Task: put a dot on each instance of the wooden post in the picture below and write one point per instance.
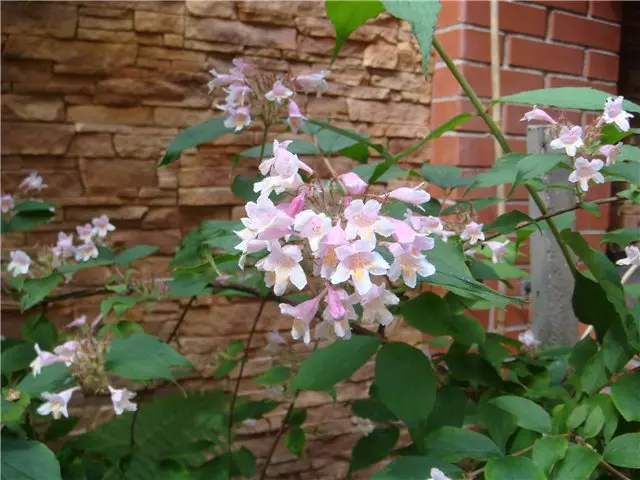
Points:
(552, 283)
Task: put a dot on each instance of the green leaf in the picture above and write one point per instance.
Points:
(504, 171)
(512, 468)
(626, 396)
(625, 172)
(380, 171)
(242, 186)
(454, 444)
(548, 450)
(445, 176)
(624, 451)
(143, 357)
(61, 427)
(331, 141)
(616, 354)
(299, 147)
(534, 166)
(594, 423)
(17, 357)
(245, 462)
(594, 375)
(193, 136)
(415, 468)
(35, 289)
(583, 98)
(94, 262)
(372, 409)
(528, 414)
(253, 409)
(329, 365)
(28, 460)
(622, 237)
(628, 152)
(295, 441)
(297, 417)
(578, 463)
(422, 17)
(577, 416)
(429, 313)
(506, 222)
(406, 383)
(38, 329)
(274, 376)
(609, 134)
(347, 16)
(224, 367)
(373, 447)
(51, 379)
(448, 409)
(118, 303)
(139, 251)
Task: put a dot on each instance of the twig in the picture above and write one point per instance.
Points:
(603, 463)
(278, 436)
(180, 320)
(132, 442)
(475, 473)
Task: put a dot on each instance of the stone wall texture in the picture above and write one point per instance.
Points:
(94, 91)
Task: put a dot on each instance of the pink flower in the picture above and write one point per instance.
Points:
(7, 203)
(313, 81)
(334, 303)
(585, 171)
(425, 224)
(86, 251)
(101, 226)
(296, 119)
(472, 232)
(85, 232)
(408, 264)
(326, 254)
(610, 152)
(78, 322)
(498, 250)
(56, 403)
(284, 264)
(121, 400)
(632, 258)
(570, 140)
(278, 93)
(274, 338)
(241, 68)
(237, 94)
(221, 79)
(43, 359)
(312, 226)
(32, 182)
(296, 205)
(266, 220)
(614, 113)
(238, 118)
(415, 196)
(358, 261)
(19, 264)
(402, 232)
(353, 183)
(67, 352)
(364, 220)
(537, 114)
(337, 314)
(303, 314)
(283, 163)
(374, 305)
(64, 247)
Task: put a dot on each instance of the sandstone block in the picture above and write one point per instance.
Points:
(110, 115)
(158, 22)
(173, 40)
(180, 117)
(167, 179)
(106, 23)
(101, 11)
(212, 46)
(67, 84)
(201, 196)
(60, 183)
(172, 54)
(141, 146)
(35, 138)
(166, 239)
(91, 145)
(170, 8)
(81, 214)
(193, 216)
(55, 19)
(17, 70)
(135, 87)
(106, 36)
(366, 111)
(211, 8)
(274, 12)
(225, 31)
(27, 107)
(315, 27)
(403, 81)
(327, 107)
(380, 55)
(102, 175)
(161, 218)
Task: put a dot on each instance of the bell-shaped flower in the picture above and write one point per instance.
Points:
(408, 264)
(284, 264)
(101, 226)
(283, 163)
(67, 352)
(273, 337)
(586, 171)
(43, 359)
(312, 226)
(364, 220)
(302, 314)
(241, 68)
(32, 182)
(238, 119)
(570, 140)
(353, 183)
(537, 114)
(528, 339)
(614, 113)
(437, 474)
(339, 312)
(6, 203)
(277, 184)
(415, 195)
(85, 232)
(237, 94)
(632, 258)
(402, 232)
(498, 250)
(266, 220)
(19, 264)
(81, 321)
(358, 261)
(278, 93)
(312, 81)
(610, 152)
(296, 118)
(296, 205)
(374, 305)
(85, 252)
(249, 244)
(121, 400)
(64, 246)
(222, 79)
(56, 403)
(473, 233)
(326, 257)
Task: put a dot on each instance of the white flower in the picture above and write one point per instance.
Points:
(121, 399)
(415, 196)
(364, 220)
(374, 305)
(85, 232)
(358, 261)
(7, 203)
(610, 152)
(266, 220)
(221, 79)
(67, 352)
(337, 314)
(633, 256)
(86, 251)
(278, 93)
(614, 113)
(326, 259)
(64, 247)
(303, 314)
(312, 226)
(242, 68)
(284, 264)
(101, 226)
(283, 163)
(56, 403)
(537, 114)
(570, 140)
(472, 232)
(296, 118)
(498, 250)
(528, 338)
(353, 183)
(586, 170)
(78, 322)
(43, 359)
(437, 474)
(32, 182)
(237, 94)
(277, 184)
(408, 264)
(313, 81)
(19, 264)
(249, 244)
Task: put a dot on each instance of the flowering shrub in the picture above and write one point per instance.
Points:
(344, 258)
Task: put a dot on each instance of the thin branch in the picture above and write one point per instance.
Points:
(132, 442)
(276, 439)
(603, 463)
(174, 332)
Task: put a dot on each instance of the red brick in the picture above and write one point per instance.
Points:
(602, 66)
(513, 113)
(451, 13)
(463, 150)
(554, 81)
(584, 31)
(514, 17)
(445, 110)
(479, 77)
(593, 239)
(586, 220)
(574, 6)
(607, 9)
(468, 44)
(544, 56)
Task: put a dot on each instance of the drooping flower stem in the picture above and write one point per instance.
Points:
(500, 138)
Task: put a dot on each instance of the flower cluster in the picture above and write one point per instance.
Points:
(85, 355)
(252, 92)
(583, 149)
